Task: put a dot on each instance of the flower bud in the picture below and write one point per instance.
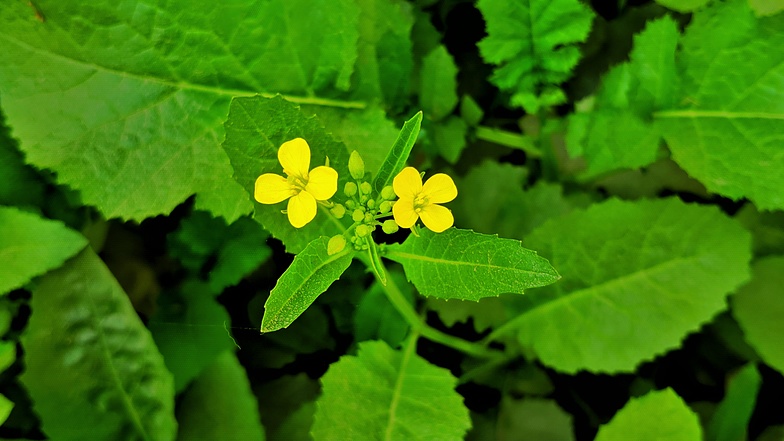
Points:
(338, 211)
(365, 188)
(356, 166)
(363, 199)
(388, 193)
(364, 230)
(351, 204)
(350, 189)
(358, 215)
(389, 226)
(368, 217)
(371, 203)
(336, 244)
(384, 207)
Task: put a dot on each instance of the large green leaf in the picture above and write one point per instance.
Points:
(255, 129)
(438, 84)
(93, 370)
(220, 405)
(309, 275)
(759, 305)
(637, 277)
(126, 103)
(397, 156)
(382, 394)
(730, 422)
(31, 245)
(656, 416)
(462, 264)
(535, 44)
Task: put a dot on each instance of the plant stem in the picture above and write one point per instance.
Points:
(509, 139)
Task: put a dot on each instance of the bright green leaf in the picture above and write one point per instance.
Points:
(731, 420)
(535, 44)
(31, 245)
(111, 382)
(683, 6)
(6, 406)
(381, 394)
(398, 155)
(309, 275)
(462, 264)
(637, 277)
(656, 416)
(7, 355)
(449, 136)
(438, 84)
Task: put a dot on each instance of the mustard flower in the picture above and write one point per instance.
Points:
(421, 201)
(301, 187)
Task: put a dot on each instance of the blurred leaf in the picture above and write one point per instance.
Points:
(7, 354)
(623, 298)
(287, 405)
(731, 420)
(424, 36)
(31, 245)
(377, 319)
(683, 6)
(396, 158)
(111, 382)
(766, 7)
(6, 406)
(385, 394)
(220, 405)
(461, 264)
(533, 419)
(438, 84)
(655, 416)
(487, 193)
(449, 136)
(759, 305)
(767, 229)
(470, 111)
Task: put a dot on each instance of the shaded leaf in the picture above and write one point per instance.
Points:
(21, 185)
(731, 420)
(655, 416)
(377, 319)
(449, 136)
(533, 419)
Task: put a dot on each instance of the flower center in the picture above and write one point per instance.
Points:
(297, 182)
(420, 202)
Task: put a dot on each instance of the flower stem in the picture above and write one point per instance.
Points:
(509, 139)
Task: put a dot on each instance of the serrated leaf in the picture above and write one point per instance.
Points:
(731, 420)
(111, 381)
(462, 264)
(381, 394)
(758, 306)
(438, 84)
(534, 43)
(309, 275)
(655, 416)
(397, 156)
(728, 135)
(255, 129)
(31, 245)
(449, 136)
(220, 404)
(624, 298)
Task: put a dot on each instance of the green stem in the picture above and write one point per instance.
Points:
(491, 364)
(509, 139)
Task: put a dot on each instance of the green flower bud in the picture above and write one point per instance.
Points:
(338, 211)
(351, 205)
(368, 217)
(384, 207)
(336, 244)
(365, 188)
(356, 166)
(371, 203)
(364, 230)
(388, 193)
(363, 199)
(356, 240)
(358, 215)
(364, 247)
(350, 189)
(389, 226)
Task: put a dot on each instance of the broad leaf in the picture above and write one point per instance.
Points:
(730, 422)
(309, 275)
(381, 394)
(111, 382)
(462, 264)
(31, 245)
(438, 84)
(398, 154)
(759, 305)
(624, 298)
(255, 129)
(535, 44)
(655, 416)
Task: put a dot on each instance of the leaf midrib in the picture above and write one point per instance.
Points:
(390, 253)
(397, 391)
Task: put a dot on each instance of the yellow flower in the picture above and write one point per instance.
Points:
(301, 187)
(421, 201)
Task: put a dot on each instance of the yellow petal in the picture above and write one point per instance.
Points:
(301, 209)
(436, 218)
(322, 183)
(404, 213)
(439, 188)
(271, 189)
(294, 156)
(407, 183)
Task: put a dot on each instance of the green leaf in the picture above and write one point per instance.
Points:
(111, 381)
(533, 419)
(398, 155)
(655, 416)
(21, 184)
(758, 306)
(377, 319)
(731, 420)
(470, 111)
(767, 229)
(535, 44)
(220, 404)
(728, 134)
(31, 245)
(485, 313)
(438, 84)
(766, 7)
(449, 136)
(309, 275)
(255, 129)
(7, 355)
(385, 394)
(6, 406)
(683, 6)
(624, 298)
(288, 407)
(461, 264)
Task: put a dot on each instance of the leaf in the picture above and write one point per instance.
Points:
(766, 7)
(758, 307)
(438, 84)
(728, 133)
(637, 278)
(731, 419)
(461, 264)
(288, 406)
(7, 355)
(683, 6)
(397, 156)
(111, 381)
(533, 419)
(127, 104)
(767, 229)
(31, 245)
(309, 275)
(377, 319)
(535, 44)
(21, 185)
(385, 394)
(220, 404)
(449, 136)
(255, 129)
(485, 313)
(6, 406)
(655, 416)
(470, 111)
